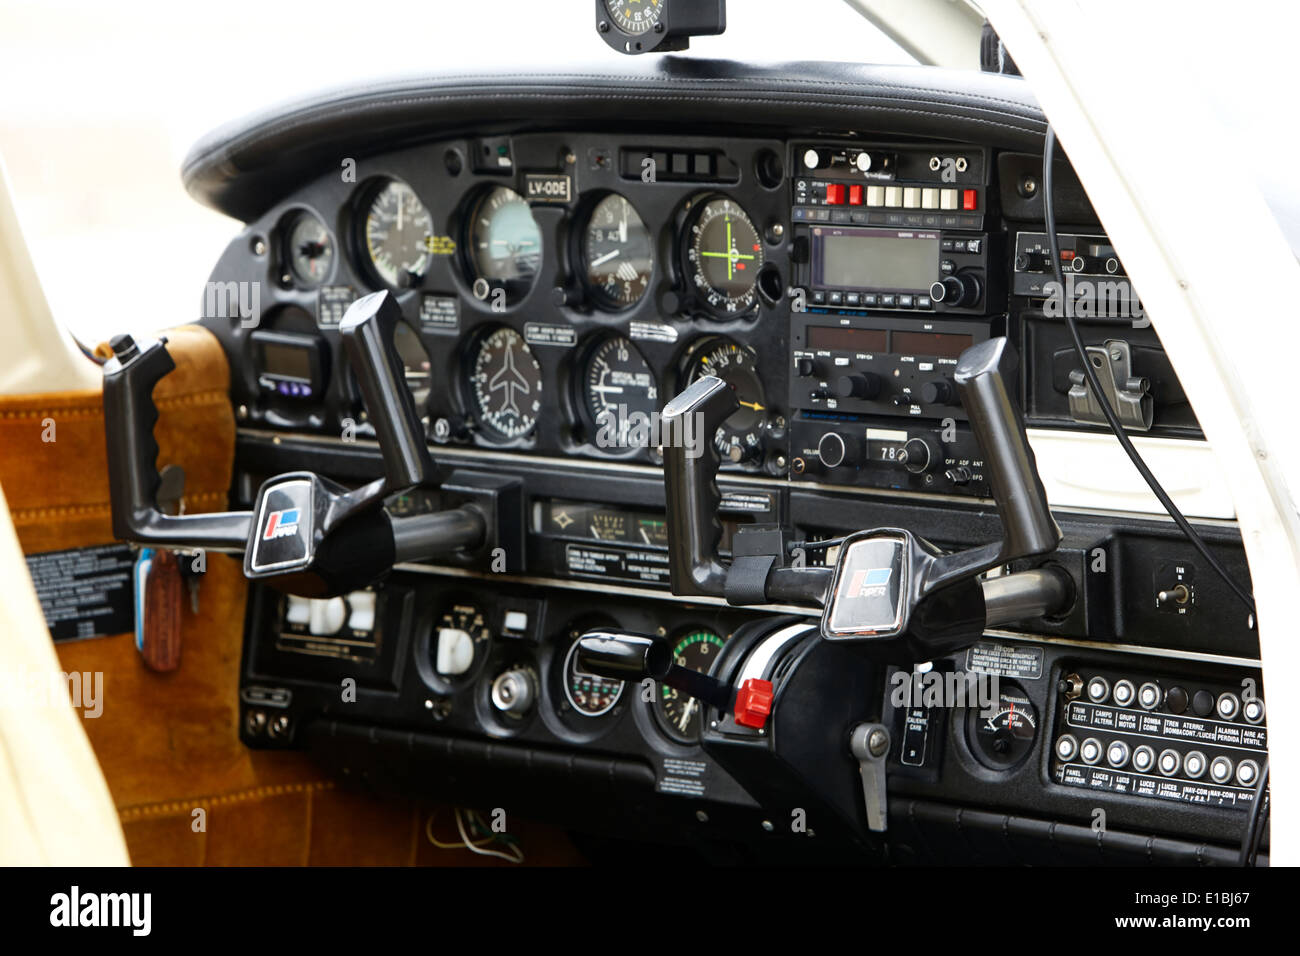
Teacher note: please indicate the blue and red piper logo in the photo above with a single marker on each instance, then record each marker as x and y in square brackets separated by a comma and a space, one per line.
[281, 524]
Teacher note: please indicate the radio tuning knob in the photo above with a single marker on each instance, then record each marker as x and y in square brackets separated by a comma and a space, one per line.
[918, 455]
[805, 366]
[860, 385]
[941, 391]
[956, 291]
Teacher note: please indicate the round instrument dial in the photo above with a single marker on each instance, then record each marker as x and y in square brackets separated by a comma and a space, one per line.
[635, 17]
[397, 231]
[504, 383]
[619, 394]
[1002, 735]
[504, 245]
[740, 438]
[679, 713]
[309, 250]
[460, 642]
[617, 254]
[724, 254]
[589, 695]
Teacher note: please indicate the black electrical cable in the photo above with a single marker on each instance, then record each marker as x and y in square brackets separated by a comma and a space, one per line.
[1255, 822]
[1049, 214]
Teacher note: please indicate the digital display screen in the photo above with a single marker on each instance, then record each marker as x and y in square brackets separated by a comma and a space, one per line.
[839, 339]
[876, 259]
[939, 344]
[286, 361]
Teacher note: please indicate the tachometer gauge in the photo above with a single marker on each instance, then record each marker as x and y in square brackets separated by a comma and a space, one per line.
[589, 695]
[460, 642]
[1001, 735]
[504, 383]
[618, 393]
[740, 438]
[635, 17]
[396, 235]
[503, 245]
[617, 254]
[680, 714]
[415, 363]
[724, 254]
[308, 250]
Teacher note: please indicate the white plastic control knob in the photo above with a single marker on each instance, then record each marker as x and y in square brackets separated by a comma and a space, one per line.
[812, 159]
[297, 610]
[327, 616]
[361, 606]
[455, 652]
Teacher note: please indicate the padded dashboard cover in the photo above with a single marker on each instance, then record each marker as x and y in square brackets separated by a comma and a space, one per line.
[243, 168]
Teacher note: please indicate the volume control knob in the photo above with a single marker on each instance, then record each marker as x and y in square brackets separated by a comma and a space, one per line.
[834, 450]
[859, 385]
[941, 391]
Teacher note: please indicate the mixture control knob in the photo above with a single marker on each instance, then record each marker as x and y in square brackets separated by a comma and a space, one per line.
[957, 291]
[858, 385]
[941, 391]
[918, 456]
[513, 692]
[834, 450]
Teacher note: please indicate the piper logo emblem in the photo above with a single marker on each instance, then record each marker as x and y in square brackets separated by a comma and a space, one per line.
[869, 583]
[281, 524]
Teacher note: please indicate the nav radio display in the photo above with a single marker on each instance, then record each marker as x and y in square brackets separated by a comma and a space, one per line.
[889, 259]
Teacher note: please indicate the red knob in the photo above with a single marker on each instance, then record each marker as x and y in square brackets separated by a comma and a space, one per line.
[753, 703]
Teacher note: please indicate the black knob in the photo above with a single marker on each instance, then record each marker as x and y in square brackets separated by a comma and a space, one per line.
[805, 366]
[939, 392]
[956, 291]
[958, 475]
[918, 455]
[124, 347]
[563, 295]
[834, 450]
[861, 385]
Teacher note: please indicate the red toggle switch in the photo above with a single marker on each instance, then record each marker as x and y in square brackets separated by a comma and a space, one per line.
[835, 194]
[855, 195]
[968, 199]
[753, 703]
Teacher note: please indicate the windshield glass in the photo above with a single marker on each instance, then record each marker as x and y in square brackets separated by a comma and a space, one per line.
[113, 95]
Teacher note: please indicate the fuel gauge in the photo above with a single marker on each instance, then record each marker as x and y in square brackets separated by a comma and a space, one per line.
[1002, 734]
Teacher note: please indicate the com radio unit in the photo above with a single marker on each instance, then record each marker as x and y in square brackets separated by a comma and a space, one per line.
[924, 270]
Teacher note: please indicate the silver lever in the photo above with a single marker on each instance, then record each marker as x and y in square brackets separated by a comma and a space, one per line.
[870, 744]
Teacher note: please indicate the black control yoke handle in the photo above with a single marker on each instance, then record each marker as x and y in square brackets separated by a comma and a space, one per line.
[1028, 528]
[368, 331]
[691, 463]
[320, 535]
[133, 480]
